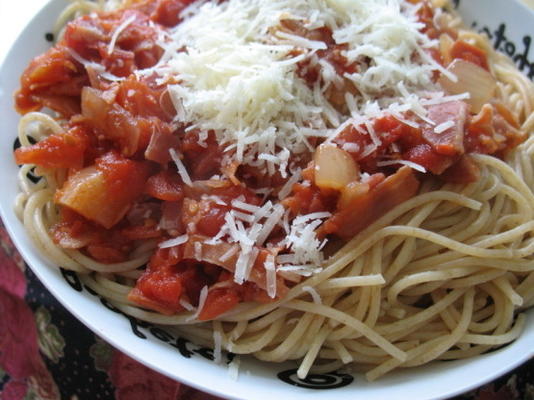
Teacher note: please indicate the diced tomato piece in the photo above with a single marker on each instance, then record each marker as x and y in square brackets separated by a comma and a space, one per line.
[161, 285]
[358, 143]
[64, 150]
[165, 185]
[230, 192]
[135, 46]
[143, 97]
[74, 232]
[103, 193]
[203, 161]
[159, 291]
[126, 178]
[465, 51]
[195, 279]
[205, 215]
[164, 258]
[170, 277]
[218, 302]
[425, 156]
[212, 220]
[492, 131]
[309, 198]
[168, 12]
[53, 79]
[250, 291]
[119, 62]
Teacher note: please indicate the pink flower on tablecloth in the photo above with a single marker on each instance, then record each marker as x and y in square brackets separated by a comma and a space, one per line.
[18, 338]
[134, 381]
[14, 390]
[19, 349]
[11, 251]
[13, 281]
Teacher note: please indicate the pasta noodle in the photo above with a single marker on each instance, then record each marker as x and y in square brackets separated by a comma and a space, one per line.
[444, 275]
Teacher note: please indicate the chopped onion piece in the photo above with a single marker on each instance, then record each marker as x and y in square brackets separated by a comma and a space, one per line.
[334, 167]
[476, 81]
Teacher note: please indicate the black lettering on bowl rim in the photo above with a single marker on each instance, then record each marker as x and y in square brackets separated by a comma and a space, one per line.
[332, 380]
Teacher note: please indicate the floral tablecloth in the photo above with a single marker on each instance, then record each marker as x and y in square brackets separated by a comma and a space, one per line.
[45, 353]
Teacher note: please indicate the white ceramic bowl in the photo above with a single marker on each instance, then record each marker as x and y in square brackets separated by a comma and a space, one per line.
[509, 26]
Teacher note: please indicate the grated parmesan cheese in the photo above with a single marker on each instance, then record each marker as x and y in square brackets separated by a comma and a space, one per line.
[410, 164]
[174, 242]
[351, 147]
[443, 127]
[238, 72]
[117, 33]
[270, 272]
[187, 305]
[301, 243]
[288, 186]
[201, 300]
[182, 171]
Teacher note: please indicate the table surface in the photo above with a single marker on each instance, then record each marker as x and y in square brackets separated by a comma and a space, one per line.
[45, 353]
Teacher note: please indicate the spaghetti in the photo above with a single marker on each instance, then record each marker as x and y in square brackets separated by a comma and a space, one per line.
[443, 274]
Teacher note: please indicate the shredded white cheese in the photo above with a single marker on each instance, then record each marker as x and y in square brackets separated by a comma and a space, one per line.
[182, 171]
[117, 33]
[174, 242]
[301, 242]
[305, 256]
[286, 189]
[201, 300]
[410, 164]
[187, 305]
[238, 72]
[270, 272]
[443, 127]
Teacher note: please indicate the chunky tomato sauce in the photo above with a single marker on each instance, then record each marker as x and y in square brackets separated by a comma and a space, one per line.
[124, 188]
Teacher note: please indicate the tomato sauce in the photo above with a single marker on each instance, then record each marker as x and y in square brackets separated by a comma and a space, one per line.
[123, 187]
